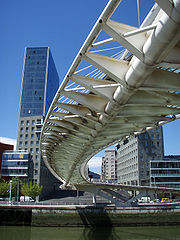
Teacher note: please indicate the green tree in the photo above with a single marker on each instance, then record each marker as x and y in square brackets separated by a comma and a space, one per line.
[4, 188]
[15, 182]
[25, 189]
[31, 189]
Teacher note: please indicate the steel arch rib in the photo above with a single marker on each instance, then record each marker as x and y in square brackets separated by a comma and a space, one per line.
[133, 94]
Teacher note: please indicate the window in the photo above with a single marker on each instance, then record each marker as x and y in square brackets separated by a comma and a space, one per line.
[39, 121]
[31, 143]
[33, 122]
[22, 122]
[21, 130]
[32, 129]
[27, 122]
[26, 143]
[32, 135]
[27, 129]
[26, 136]
[37, 150]
[21, 136]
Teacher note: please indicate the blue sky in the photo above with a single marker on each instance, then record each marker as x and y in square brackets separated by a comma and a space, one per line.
[63, 26]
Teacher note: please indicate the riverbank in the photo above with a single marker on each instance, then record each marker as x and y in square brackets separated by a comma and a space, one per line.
[89, 216]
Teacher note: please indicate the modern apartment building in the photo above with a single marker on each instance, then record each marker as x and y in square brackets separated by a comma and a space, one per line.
[134, 155]
[109, 166]
[17, 164]
[3, 147]
[165, 172]
[40, 82]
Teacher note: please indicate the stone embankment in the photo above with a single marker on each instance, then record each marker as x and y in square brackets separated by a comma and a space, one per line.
[91, 216]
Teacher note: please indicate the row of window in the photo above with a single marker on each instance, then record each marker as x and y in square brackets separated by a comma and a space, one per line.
[35, 74]
[29, 143]
[14, 163]
[127, 160]
[32, 94]
[149, 136]
[33, 61]
[27, 122]
[25, 112]
[128, 168]
[35, 68]
[165, 165]
[128, 175]
[15, 172]
[31, 149]
[36, 51]
[35, 57]
[166, 172]
[128, 150]
[28, 129]
[20, 156]
[28, 79]
[26, 136]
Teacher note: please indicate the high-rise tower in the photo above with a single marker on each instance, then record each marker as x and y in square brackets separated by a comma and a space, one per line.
[109, 166]
[40, 82]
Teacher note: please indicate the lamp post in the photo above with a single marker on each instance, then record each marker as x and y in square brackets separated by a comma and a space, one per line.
[10, 195]
[18, 190]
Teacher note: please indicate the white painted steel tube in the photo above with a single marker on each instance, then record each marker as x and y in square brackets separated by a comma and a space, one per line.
[163, 38]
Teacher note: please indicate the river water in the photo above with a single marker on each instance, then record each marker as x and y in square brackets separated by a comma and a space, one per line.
[119, 233]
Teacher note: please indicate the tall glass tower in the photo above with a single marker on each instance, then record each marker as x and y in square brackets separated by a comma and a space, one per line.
[40, 82]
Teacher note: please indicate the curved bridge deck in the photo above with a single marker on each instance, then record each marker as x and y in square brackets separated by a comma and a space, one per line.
[123, 94]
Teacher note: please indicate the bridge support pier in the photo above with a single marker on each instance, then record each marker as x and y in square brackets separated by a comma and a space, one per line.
[94, 198]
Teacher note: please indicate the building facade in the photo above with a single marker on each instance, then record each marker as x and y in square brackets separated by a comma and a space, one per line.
[40, 82]
[134, 155]
[109, 166]
[17, 164]
[165, 172]
[4, 147]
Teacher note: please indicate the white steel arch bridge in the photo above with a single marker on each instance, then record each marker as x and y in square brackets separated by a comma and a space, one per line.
[123, 95]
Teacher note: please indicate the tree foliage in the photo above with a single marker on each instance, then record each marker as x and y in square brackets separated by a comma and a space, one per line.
[15, 181]
[31, 189]
[4, 188]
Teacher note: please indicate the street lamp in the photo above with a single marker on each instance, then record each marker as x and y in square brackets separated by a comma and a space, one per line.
[18, 183]
[10, 191]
